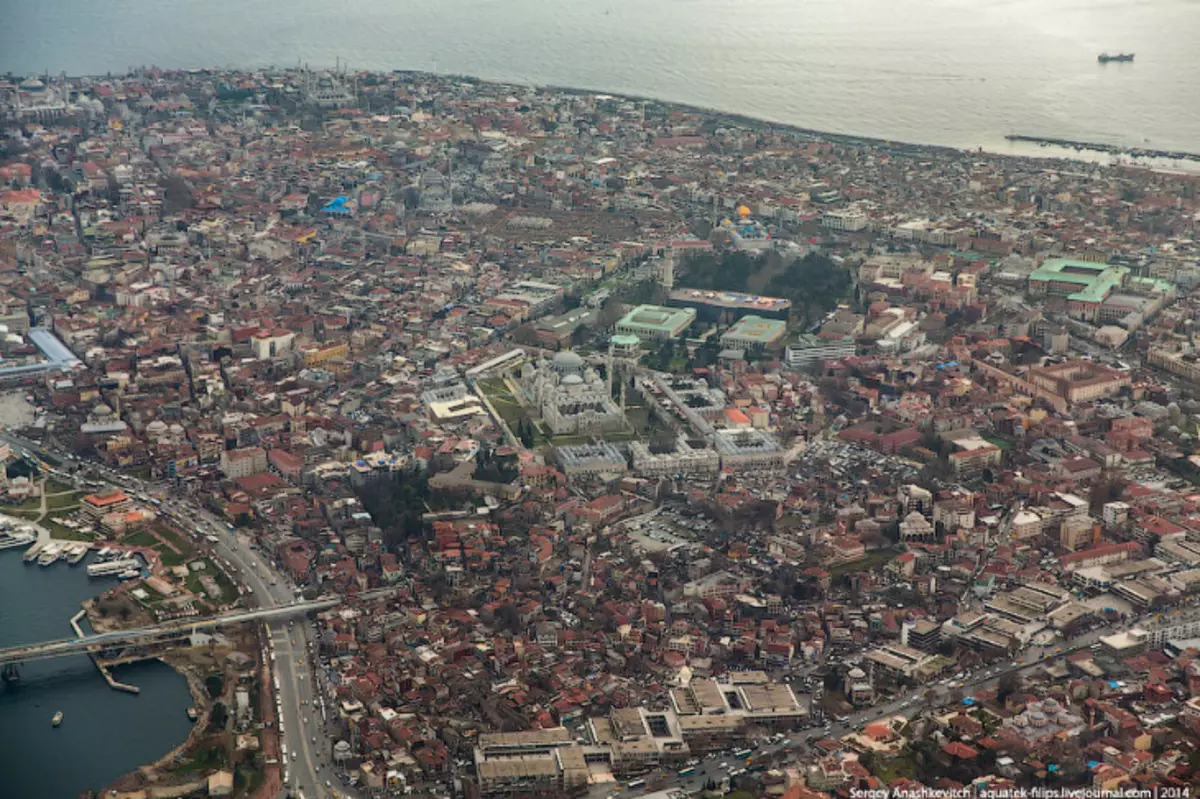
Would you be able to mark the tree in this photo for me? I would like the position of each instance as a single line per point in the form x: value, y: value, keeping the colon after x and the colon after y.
x: 177, y: 195
x: 219, y: 717
x: 214, y: 684
x: 525, y: 433
x: 397, y: 504
x: 1008, y: 684
x: 508, y: 618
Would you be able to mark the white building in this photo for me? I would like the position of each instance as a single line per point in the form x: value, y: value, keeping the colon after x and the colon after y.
x: 849, y: 221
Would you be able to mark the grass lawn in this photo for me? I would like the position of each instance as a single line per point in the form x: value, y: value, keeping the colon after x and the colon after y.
x: 228, y: 592
x: 172, y: 537
x: 246, y: 779
x: 142, y: 538
x: 1003, y: 443
x: 170, y: 558
x: 63, y: 501
x: 22, y: 514
x: 891, y: 769
x: 34, y: 504
x: 209, y: 759
x: 869, y: 563
x: 569, y: 440
x: 57, y: 487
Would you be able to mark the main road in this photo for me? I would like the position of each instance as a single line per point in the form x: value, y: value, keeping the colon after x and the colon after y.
x: 300, y: 723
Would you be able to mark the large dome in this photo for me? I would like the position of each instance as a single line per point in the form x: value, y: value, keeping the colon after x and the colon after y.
x: 567, y: 361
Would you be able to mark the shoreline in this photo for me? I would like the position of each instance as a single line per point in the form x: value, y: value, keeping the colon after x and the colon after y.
x: 1181, y: 162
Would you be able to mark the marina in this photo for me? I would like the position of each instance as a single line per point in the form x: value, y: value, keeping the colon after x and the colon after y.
x: 114, y: 567
x: 50, y: 553
x: 18, y: 538
x: 112, y: 730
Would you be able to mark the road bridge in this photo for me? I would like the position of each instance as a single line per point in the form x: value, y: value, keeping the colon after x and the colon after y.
x: 161, y: 633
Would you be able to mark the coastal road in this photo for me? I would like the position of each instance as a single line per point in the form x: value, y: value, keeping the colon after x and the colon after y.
x: 309, y: 763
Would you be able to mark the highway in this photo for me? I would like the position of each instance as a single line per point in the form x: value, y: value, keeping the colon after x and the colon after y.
x: 308, y: 742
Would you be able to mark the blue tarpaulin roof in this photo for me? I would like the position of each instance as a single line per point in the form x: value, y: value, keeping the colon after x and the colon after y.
x: 337, y: 205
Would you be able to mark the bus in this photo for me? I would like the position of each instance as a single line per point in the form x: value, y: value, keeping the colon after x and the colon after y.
x: 687, y: 772
x: 633, y: 786
x: 742, y: 754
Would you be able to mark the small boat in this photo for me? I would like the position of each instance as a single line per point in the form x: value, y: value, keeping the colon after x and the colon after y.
x: 58, y: 717
x: 1104, y: 58
x: 191, y: 714
x: 129, y: 574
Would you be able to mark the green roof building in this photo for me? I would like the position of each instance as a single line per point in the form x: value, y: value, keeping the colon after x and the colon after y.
x: 754, y: 333
x: 656, y: 323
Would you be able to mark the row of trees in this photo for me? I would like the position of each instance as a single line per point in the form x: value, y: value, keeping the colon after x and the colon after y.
x: 814, y: 283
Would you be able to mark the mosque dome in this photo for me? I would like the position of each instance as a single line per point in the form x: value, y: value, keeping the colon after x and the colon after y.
x: 567, y: 361
x: 743, y: 211
x: 102, y: 410
x: 572, y: 380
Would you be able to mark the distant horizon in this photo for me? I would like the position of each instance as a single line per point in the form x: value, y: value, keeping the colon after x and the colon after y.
x: 960, y: 74
x: 1188, y: 164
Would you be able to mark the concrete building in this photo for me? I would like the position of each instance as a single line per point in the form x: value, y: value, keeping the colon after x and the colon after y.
x: 896, y: 660
x: 1084, y: 284
x: 243, y: 462
x: 717, y: 306
x: 749, y: 450
x: 754, y: 334
x: 923, y: 635
x: 682, y: 459
x: 848, y: 221
x: 590, y: 460
x: 546, y: 760
x: 655, y: 323
x: 1079, y: 380
x: 95, y: 506
x: 972, y: 454
x: 809, y: 349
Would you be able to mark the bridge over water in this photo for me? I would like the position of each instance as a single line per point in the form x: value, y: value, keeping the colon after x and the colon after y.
x: 172, y: 631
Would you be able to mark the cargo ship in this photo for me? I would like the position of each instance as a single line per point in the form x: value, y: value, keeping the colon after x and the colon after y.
x: 1104, y: 58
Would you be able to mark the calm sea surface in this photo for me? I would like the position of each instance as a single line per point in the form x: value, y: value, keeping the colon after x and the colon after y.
x: 104, y: 733
x: 954, y: 72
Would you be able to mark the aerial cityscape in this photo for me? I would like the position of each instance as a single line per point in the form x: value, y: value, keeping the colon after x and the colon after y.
x: 380, y: 434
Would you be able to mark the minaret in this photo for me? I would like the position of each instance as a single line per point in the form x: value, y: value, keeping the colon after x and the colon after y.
x: 608, y: 370
x: 667, y: 275
x: 622, y: 397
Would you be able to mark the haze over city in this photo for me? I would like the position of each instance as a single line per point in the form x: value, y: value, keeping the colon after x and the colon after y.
x: 599, y: 401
